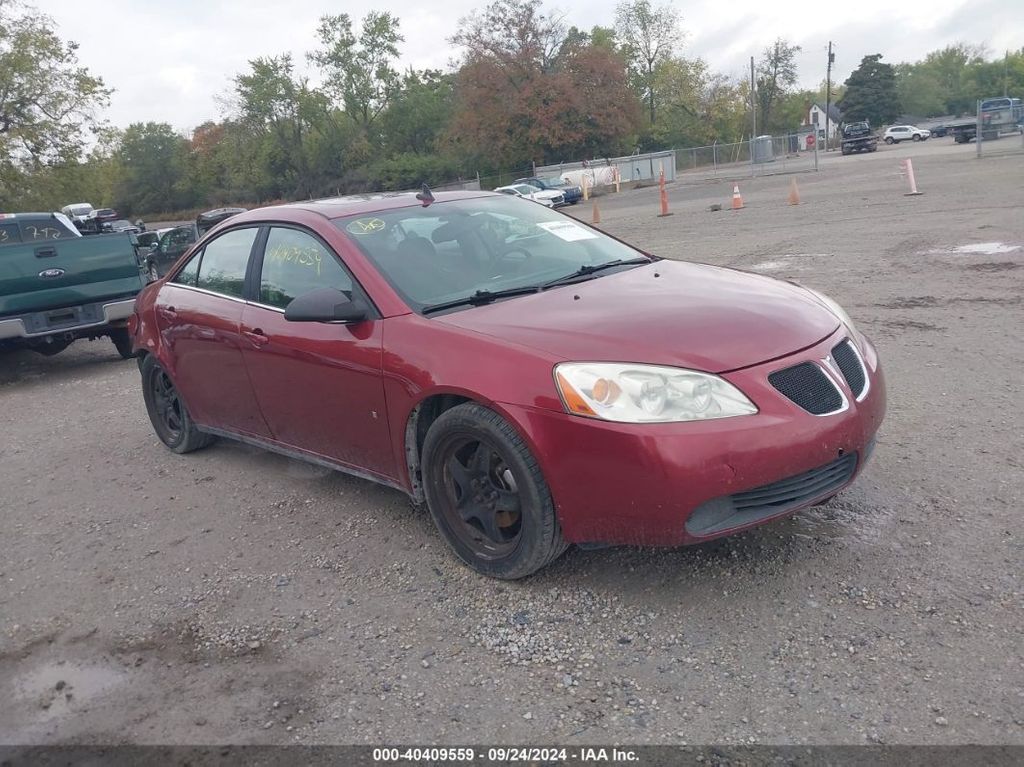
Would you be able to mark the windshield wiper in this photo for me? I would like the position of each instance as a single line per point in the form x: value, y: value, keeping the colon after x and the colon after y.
x: 588, y: 269
x: 481, y: 297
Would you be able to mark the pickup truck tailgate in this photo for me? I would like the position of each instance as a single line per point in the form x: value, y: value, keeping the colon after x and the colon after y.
x: 36, y: 276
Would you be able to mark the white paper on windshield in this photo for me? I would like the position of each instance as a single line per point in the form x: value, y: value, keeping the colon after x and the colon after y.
x: 567, y: 231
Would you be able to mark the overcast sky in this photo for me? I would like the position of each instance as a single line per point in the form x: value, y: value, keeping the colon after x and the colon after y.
x: 169, y: 59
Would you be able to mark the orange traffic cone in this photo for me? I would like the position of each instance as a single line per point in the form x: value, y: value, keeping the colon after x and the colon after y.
x: 597, y: 214
x: 737, y: 199
x: 794, y: 193
x: 663, y: 194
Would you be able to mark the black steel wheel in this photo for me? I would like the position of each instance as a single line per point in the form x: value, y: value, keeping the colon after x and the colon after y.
x: 487, y: 495
x: 167, y: 412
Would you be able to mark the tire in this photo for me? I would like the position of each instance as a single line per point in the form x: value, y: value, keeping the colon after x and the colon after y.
x: 152, y: 272
x: 471, y: 449
x: 890, y: 140
x: 168, y: 414
x: 123, y: 343
x: 917, y: 137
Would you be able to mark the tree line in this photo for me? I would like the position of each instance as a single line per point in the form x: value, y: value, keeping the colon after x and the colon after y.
x: 528, y: 88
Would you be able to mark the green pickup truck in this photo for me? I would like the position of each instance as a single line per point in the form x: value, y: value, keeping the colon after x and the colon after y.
x: 57, y: 286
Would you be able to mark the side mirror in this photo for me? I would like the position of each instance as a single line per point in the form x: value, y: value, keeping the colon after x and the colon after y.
x: 326, y: 305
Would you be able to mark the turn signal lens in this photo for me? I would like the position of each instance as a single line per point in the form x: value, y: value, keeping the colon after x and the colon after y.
x: 572, y: 399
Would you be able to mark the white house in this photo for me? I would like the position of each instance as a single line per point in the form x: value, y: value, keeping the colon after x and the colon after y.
x: 816, y: 118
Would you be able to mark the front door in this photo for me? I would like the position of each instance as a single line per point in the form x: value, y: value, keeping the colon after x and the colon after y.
x: 319, y: 384
x: 199, y: 312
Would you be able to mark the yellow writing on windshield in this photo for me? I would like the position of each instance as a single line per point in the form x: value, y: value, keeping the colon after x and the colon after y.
x: 365, y: 226
x: 309, y: 256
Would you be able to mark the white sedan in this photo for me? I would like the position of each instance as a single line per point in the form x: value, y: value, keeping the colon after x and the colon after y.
x: 548, y: 197
x: 898, y: 133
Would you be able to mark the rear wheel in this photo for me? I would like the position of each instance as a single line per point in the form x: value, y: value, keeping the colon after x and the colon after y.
x: 167, y: 412
x: 122, y: 342
x: 890, y: 140
x: 487, y: 495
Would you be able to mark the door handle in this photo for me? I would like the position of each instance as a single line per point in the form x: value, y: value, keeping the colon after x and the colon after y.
x: 166, y: 311
x: 256, y: 337
x: 46, y: 252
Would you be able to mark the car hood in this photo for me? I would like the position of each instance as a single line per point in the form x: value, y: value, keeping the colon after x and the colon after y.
x: 668, y: 313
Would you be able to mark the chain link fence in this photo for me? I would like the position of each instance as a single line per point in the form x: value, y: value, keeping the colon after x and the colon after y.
x: 761, y: 156
x: 999, y: 127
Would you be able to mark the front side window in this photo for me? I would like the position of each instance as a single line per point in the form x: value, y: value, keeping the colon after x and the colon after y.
x: 295, y: 263
x: 189, y: 272
x: 224, y: 261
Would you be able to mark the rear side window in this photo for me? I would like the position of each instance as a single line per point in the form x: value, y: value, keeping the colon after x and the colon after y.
x: 295, y: 263
x: 224, y: 261
x: 43, y: 229
x: 9, y: 234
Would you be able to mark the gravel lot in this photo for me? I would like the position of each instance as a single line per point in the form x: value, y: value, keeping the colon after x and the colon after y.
x: 237, y: 596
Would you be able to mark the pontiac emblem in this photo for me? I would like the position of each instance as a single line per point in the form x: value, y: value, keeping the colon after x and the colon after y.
x: 47, y: 274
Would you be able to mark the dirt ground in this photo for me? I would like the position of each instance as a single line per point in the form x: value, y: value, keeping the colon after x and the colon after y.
x: 235, y: 596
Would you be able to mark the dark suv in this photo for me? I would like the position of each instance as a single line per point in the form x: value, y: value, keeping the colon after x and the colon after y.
x: 168, y: 249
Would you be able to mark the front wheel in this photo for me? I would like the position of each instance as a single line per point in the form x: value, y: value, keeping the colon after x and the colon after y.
x: 167, y: 412
x: 917, y: 137
x: 152, y: 272
x: 487, y: 494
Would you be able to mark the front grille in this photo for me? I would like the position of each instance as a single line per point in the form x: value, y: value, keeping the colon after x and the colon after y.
x: 779, y: 497
x: 808, y: 386
x: 848, y: 360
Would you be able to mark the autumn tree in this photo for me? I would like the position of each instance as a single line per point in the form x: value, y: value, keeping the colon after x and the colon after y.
x: 529, y: 91
x: 871, y: 92
x: 776, y: 76
x: 48, y: 102
x: 649, y: 36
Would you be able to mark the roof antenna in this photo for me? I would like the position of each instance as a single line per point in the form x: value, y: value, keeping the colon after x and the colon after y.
x: 425, y: 196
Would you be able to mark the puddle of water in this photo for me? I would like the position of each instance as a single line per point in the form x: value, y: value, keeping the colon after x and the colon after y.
x: 58, y: 688
x: 985, y: 249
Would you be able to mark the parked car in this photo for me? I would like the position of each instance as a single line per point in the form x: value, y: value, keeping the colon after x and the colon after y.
x: 121, y: 225
x: 57, y: 286
x: 532, y: 380
x: 897, y: 133
x: 549, y: 197
x: 938, y: 131
x: 170, y: 246
x: 572, y: 193
x: 209, y: 219
x: 78, y: 213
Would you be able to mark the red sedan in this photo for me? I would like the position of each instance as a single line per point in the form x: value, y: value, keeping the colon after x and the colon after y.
x: 532, y: 380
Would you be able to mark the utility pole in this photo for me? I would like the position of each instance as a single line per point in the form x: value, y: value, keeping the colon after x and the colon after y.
x: 828, y: 90
x: 1006, y: 63
x: 753, y: 114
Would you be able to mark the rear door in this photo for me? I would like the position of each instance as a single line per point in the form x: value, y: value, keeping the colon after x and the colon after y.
x: 319, y: 384
x: 172, y: 246
x: 198, y: 312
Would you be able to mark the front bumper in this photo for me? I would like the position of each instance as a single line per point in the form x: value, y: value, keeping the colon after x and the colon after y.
x: 641, y: 483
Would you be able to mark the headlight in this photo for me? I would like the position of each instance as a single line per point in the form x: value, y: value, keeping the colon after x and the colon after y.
x: 627, y: 393
x: 835, y: 308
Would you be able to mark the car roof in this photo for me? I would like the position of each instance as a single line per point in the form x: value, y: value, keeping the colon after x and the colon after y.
x: 22, y: 216
x: 349, y: 205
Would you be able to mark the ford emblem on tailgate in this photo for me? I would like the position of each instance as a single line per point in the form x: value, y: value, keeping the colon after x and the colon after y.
x: 48, y: 273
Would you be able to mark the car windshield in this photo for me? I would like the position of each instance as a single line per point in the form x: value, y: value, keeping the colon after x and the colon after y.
x: 80, y: 210
x: 458, y: 248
